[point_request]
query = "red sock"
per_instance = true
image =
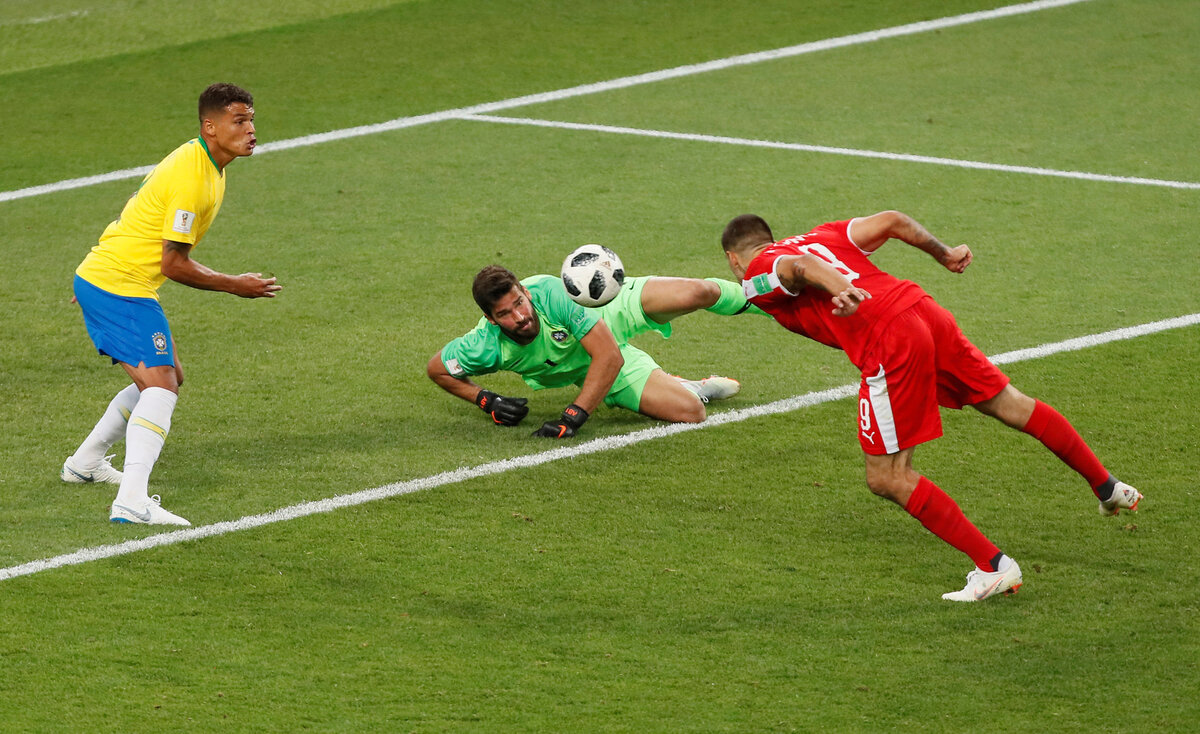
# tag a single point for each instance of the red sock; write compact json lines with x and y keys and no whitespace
{"x":1056,"y":432}
{"x":942,"y":516}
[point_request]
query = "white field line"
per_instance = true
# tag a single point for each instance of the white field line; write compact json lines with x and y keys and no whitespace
{"x":43,"y":19}
{"x":583,"y":89}
{"x":598,"y":445}
{"x":832,"y":150}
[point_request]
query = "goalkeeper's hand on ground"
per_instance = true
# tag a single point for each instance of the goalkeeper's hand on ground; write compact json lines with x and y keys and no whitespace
{"x":504,"y":411}
{"x":572,"y":419}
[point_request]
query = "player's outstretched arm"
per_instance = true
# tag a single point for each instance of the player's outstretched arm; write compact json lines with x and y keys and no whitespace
{"x":869,"y":233}
{"x":798,"y":272}
{"x":504,"y":410}
{"x":178,"y":265}
{"x":606,"y":364}
{"x":459,"y":387}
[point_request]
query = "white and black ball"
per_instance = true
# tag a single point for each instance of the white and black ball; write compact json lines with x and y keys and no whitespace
{"x":593,"y":275}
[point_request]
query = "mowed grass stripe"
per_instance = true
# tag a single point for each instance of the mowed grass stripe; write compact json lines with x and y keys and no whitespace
{"x":580,"y":90}
{"x":594,"y":446}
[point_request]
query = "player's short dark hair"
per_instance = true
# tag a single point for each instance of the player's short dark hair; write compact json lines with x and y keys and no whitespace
{"x":745,"y":229}
{"x":491,"y":284}
{"x":219,"y":96}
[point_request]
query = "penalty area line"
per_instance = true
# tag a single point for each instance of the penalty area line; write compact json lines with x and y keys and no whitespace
{"x":598,"y":445}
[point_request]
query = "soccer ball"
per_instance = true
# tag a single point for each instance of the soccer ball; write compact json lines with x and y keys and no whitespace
{"x":593,"y":275}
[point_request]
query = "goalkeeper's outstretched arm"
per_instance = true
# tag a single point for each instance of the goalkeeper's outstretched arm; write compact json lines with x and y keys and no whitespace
{"x":458,"y":386}
{"x":505,"y":411}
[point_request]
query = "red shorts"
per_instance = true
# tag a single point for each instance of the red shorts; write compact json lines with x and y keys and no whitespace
{"x":920,"y":361}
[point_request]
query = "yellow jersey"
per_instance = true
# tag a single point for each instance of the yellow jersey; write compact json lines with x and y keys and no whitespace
{"x":178,"y":200}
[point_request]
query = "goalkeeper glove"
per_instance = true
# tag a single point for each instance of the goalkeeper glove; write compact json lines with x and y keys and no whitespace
{"x":572,"y":419}
{"x":504,"y":411}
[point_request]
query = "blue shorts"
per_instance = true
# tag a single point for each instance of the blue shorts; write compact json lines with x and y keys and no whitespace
{"x":129,"y":330}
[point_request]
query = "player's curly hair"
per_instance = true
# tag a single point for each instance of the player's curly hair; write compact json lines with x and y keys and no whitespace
{"x":745,"y":229}
{"x":219,"y":96}
{"x":491,"y":284}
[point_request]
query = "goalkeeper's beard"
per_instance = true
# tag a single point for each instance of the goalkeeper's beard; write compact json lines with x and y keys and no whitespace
{"x":523,"y":335}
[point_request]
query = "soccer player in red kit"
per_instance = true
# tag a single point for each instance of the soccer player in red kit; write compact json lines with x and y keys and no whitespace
{"x":913,"y":358}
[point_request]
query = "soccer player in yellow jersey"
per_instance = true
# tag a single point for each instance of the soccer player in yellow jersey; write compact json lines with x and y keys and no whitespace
{"x":117,"y":284}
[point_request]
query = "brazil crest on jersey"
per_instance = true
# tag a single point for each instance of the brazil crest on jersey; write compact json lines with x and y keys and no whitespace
{"x":810,"y":312}
{"x":555,"y":358}
{"x":178,"y":200}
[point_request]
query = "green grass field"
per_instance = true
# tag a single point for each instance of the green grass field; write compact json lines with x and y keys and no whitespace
{"x":739,"y":577}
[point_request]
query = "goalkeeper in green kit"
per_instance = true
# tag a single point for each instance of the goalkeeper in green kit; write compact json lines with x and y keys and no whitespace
{"x":533,"y":328}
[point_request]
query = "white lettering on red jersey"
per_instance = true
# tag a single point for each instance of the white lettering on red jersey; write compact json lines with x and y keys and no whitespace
{"x":810,"y":312}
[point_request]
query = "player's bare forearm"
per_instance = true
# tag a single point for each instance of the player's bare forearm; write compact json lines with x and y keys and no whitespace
{"x":871,"y":232}
{"x":195,"y":275}
{"x":178,"y":265}
{"x":457,"y":386}
{"x":910,"y":230}
{"x":806,"y":270}
{"x":803,"y":271}
{"x":600,"y":378}
{"x":602,"y":372}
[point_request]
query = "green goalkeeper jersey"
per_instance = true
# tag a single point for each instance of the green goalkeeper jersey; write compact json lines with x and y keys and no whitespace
{"x":555,"y":358}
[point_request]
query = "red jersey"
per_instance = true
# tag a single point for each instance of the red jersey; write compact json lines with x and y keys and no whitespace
{"x":810,"y":312}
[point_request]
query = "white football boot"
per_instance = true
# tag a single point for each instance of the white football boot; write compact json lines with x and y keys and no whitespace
{"x":711,"y":387}
{"x":1123,"y":497}
{"x":982,"y":584}
{"x":102,"y":472}
{"x":152,"y":513}
{"x":715,"y":387}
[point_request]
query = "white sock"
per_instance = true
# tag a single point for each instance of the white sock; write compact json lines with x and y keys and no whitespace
{"x":149,"y":425}
{"x":109,"y":430}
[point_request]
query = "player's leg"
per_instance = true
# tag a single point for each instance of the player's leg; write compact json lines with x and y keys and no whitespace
{"x":165,"y":377}
{"x":1043,"y":422}
{"x":107,"y":318}
{"x":897,"y":411}
{"x":666,"y":398}
{"x":644,"y":388}
{"x":178,"y":366}
{"x":149,"y":424}
{"x":626,"y":317}
{"x":967,"y":377}
{"x":713,"y":387}
{"x":891,"y":476}
{"x":134,"y":332}
{"x":664,"y":299}
{"x":89,"y":462}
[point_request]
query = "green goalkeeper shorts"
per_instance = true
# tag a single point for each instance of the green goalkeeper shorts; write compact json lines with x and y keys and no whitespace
{"x":634,"y":375}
